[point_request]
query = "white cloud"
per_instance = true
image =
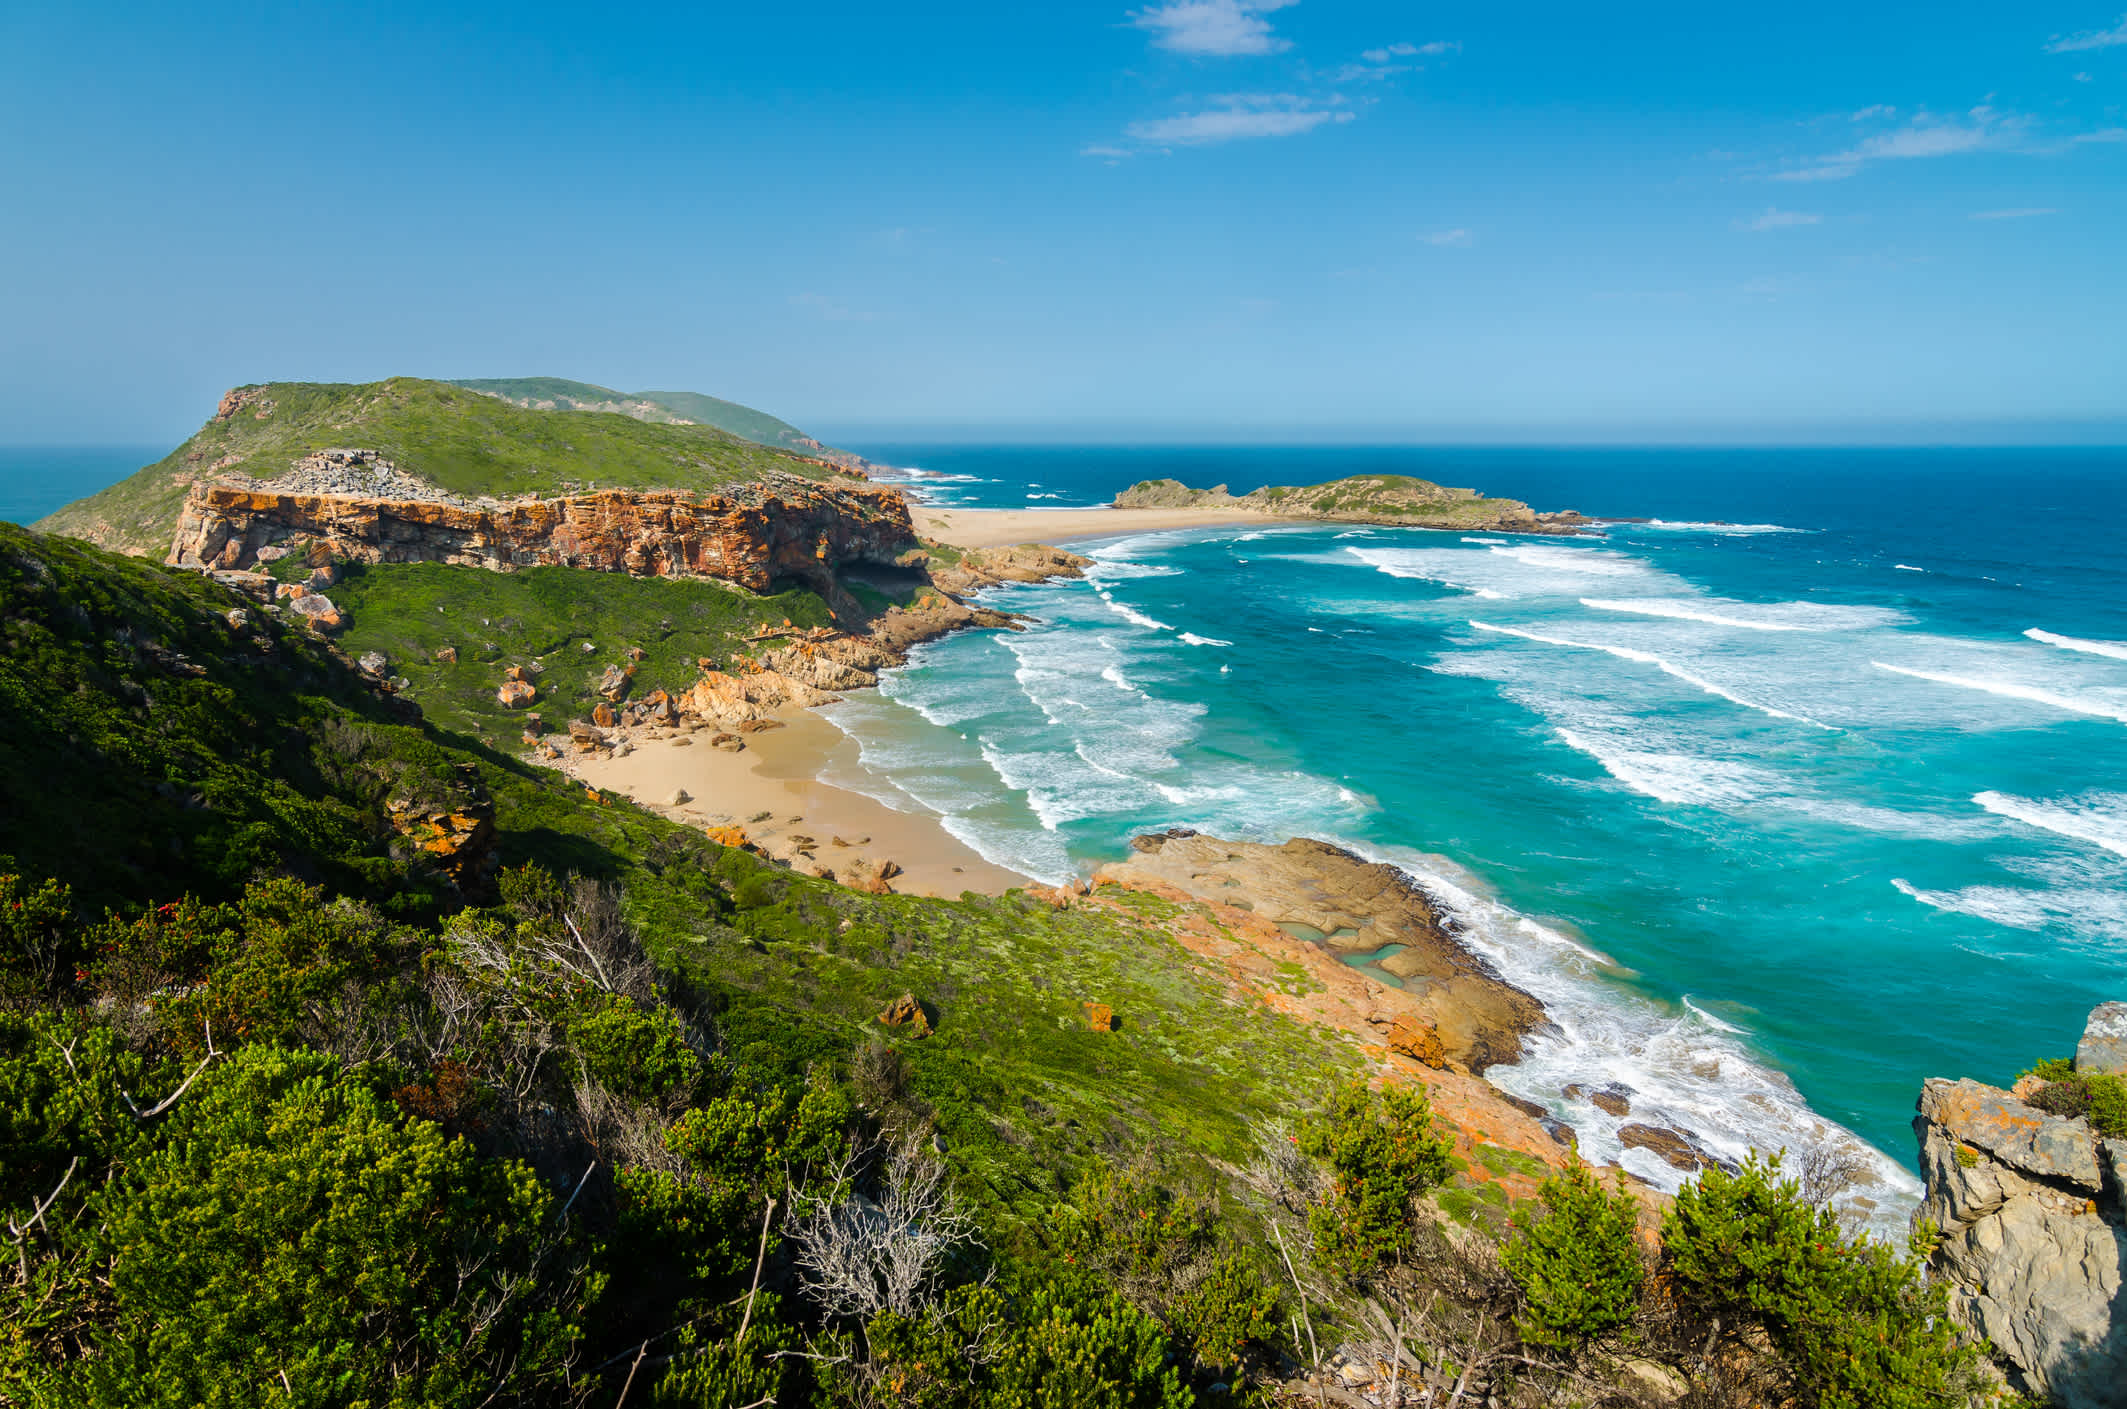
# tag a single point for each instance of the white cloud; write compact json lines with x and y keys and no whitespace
{"x":1366,"y":73}
{"x":2103,"y":134}
{"x":1875,"y":110}
{"x":2019,"y":213}
{"x":2090,"y":39}
{"x":2082,"y":78}
{"x":1410,"y":51}
{"x":1113,"y":154}
{"x":1241,"y":115}
{"x":1450,"y":239}
{"x":1773,"y":218}
{"x":1924,"y":136}
{"x":1219,"y":28}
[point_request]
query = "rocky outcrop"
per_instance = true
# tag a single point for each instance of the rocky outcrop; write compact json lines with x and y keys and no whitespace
{"x":781,"y":526}
{"x":2033,"y":1220}
{"x":1398,"y":500}
{"x":990,"y":567}
{"x":1323,"y":895}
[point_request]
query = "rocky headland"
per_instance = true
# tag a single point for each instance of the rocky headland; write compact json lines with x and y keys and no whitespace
{"x":1391,"y":500}
{"x":2030,"y":1209}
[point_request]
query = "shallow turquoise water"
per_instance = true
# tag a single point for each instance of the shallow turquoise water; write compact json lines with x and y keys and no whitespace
{"x":1779,"y":816}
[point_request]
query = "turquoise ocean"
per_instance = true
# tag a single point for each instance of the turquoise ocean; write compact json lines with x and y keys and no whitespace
{"x":1809,"y":787}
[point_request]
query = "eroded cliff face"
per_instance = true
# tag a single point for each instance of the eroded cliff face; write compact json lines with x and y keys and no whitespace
{"x":782,"y":526}
{"x":2032,"y":1209}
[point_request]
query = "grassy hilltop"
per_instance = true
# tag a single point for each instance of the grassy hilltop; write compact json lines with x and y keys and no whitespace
{"x":457,"y":439}
{"x":659,"y":406}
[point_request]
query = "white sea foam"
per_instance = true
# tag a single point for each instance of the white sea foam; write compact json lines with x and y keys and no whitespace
{"x":1114,"y":677}
{"x":1752,"y":616}
{"x":1687,"y":1070}
{"x":1735,"y":529}
{"x":1709,"y":1019}
{"x":2115,"y":649}
{"x":2097,"y":818}
{"x":1907,"y":567}
{"x":1650,"y":658}
{"x":2072,"y":911}
{"x":1134,"y":616}
{"x":1488,"y":542}
{"x":1195,"y":640}
{"x":1593,"y":562}
{"x":1674,"y":777}
{"x":2015,"y":690}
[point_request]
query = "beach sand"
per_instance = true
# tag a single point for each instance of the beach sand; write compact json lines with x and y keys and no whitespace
{"x":993,"y":528}
{"x":778,"y":773}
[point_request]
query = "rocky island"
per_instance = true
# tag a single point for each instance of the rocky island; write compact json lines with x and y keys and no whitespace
{"x":1401,"y":501}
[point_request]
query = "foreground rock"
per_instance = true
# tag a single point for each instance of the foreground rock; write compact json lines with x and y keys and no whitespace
{"x":1324,"y":896}
{"x":2034,"y":1233}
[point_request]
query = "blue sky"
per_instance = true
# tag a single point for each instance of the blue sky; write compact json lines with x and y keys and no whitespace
{"x":1218,"y":218}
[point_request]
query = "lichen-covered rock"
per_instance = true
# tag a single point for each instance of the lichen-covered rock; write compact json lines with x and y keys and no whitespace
{"x":317,"y":612}
{"x":602,"y":715}
{"x":516,"y":694}
{"x":1100,"y":1017}
{"x":2104,"y":1045}
{"x":2033,"y":1242}
{"x":2025,"y":1139}
{"x":906,"y":1012}
{"x":373,"y":662}
{"x":613,"y":685}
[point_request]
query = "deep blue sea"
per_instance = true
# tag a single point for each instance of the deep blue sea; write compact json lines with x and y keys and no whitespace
{"x":1812,"y":787}
{"x":34,"y":479}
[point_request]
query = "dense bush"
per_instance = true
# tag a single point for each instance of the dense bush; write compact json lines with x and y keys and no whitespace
{"x":2099,"y":1097}
{"x":1578,"y":1266}
{"x":1383,"y":1153}
{"x":1854,"y":1324}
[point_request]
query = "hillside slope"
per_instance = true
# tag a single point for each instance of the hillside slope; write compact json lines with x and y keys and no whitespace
{"x":459,"y":441}
{"x":561,"y":394}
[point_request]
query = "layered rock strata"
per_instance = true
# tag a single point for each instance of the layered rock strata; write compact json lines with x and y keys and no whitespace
{"x":2032,"y":1211}
{"x":783,"y":526}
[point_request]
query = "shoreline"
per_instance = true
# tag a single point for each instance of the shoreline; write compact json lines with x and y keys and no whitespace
{"x":779,"y":773}
{"x":996,"y":528}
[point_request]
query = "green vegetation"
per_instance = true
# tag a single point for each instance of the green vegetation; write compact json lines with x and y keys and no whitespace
{"x":1394,"y":499}
{"x":291,"y":1114}
{"x":546,"y":616}
{"x":742,"y":421}
{"x":1579,"y":1266}
{"x":2098,"y":1097}
{"x":456,"y":439}
{"x":1854,"y":1325}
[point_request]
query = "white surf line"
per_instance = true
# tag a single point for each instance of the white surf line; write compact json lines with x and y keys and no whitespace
{"x":2010,"y":691}
{"x":2115,"y":649}
{"x":1680,"y":613}
{"x":2081,"y":823}
{"x":1649,"y":658}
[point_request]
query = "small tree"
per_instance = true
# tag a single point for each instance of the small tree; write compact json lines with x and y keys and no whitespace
{"x":1854,"y":1323}
{"x":1578,"y":1266}
{"x":1383,"y":1153}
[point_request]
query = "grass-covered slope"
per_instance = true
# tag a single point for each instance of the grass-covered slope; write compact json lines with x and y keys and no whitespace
{"x":573,"y":623}
{"x":456,"y":439}
{"x":565,"y":395}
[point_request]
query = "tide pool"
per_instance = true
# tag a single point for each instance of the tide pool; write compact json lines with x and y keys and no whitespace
{"x":1813,"y":789}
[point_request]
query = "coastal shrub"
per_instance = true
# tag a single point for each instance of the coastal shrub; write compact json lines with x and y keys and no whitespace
{"x":41,"y":950}
{"x":637,"y":1053}
{"x":292,"y":1235}
{"x":1383,"y":1153}
{"x":1854,"y":1323}
{"x":1578,"y":1266}
{"x":1059,"y":1343}
{"x":1230,"y":1310}
{"x":2098,"y":1097}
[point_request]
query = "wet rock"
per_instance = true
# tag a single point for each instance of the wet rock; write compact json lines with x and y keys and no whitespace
{"x":758,"y":726}
{"x":1673,"y":1148}
{"x":1612,"y":1099}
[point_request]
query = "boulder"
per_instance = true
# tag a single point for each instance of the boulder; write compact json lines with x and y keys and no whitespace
{"x":2027,"y":1140}
{"x":515,"y":694}
{"x":680,"y":798}
{"x":237,"y":618}
{"x":372,"y":662}
{"x":636,"y":653}
{"x":758,"y":726}
{"x":323,"y":576}
{"x":729,"y":743}
{"x":446,"y":655}
{"x":1672,"y":1148}
{"x":1420,"y":1041}
{"x":1100,"y":1017}
{"x":318,"y":612}
{"x":613,"y":685}
{"x":515,"y":672}
{"x":582,"y":731}
{"x":906,"y":1012}
{"x":602,"y":715}
{"x":2103,"y":1049}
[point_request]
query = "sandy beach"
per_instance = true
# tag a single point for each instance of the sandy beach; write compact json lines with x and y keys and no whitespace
{"x":816,"y":826}
{"x":994,"y":528}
